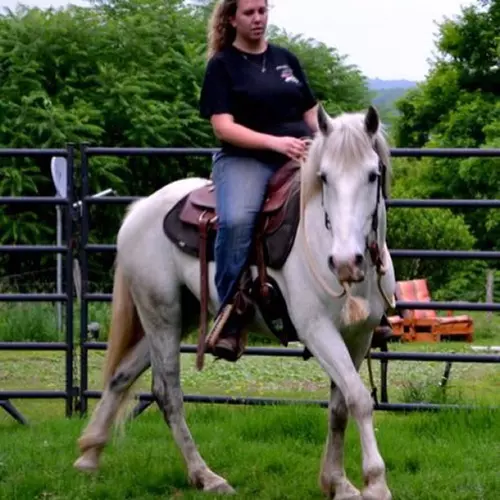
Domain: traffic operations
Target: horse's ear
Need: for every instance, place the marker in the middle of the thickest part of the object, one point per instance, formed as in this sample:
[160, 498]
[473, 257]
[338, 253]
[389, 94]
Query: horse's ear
[323, 121]
[372, 121]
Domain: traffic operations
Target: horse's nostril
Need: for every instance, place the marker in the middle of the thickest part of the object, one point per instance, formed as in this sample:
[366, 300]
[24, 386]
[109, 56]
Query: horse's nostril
[331, 264]
[358, 260]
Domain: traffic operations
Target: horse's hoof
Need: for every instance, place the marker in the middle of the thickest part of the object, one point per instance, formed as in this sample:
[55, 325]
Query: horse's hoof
[377, 492]
[347, 496]
[86, 464]
[348, 493]
[343, 491]
[220, 486]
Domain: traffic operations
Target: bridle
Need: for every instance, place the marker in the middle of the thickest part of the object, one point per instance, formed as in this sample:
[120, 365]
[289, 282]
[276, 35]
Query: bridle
[372, 244]
[381, 194]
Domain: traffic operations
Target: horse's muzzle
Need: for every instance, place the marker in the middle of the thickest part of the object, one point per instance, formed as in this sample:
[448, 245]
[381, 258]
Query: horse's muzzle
[349, 271]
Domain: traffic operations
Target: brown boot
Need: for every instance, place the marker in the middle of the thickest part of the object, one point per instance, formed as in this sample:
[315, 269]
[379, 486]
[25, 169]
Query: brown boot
[231, 342]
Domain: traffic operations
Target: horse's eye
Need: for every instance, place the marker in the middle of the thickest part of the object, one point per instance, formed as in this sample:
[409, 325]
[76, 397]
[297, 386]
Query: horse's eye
[372, 177]
[322, 176]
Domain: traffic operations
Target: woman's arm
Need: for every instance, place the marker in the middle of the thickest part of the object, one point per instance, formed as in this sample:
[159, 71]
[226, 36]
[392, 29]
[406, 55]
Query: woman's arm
[227, 130]
[310, 103]
[311, 118]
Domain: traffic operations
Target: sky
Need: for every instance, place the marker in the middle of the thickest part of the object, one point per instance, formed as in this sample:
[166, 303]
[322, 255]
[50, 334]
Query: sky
[387, 39]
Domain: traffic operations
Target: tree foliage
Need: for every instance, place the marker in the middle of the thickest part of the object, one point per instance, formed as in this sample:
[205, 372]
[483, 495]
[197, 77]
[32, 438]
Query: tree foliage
[119, 73]
[458, 106]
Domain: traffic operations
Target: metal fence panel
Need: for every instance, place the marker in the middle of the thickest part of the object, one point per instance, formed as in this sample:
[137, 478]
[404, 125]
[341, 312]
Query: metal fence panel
[77, 246]
[69, 392]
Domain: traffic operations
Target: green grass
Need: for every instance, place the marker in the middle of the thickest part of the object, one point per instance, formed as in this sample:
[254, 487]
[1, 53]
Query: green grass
[265, 453]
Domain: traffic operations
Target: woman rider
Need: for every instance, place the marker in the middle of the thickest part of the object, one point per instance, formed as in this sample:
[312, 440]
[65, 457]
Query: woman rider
[261, 108]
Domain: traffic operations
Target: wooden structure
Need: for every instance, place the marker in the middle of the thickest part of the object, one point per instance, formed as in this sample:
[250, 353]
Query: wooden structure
[424, 325]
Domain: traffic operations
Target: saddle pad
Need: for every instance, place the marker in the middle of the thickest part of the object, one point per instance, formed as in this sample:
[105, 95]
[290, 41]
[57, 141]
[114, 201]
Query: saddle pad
[277, 243]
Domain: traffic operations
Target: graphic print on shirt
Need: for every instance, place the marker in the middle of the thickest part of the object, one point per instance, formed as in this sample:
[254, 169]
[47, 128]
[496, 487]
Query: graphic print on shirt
[286, 74]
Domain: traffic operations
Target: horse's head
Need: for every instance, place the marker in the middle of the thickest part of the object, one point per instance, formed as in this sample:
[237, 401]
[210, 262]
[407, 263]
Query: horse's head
[348, 165]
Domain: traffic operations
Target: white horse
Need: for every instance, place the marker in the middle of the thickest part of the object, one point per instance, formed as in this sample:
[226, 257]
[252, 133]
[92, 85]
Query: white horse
[342, 181]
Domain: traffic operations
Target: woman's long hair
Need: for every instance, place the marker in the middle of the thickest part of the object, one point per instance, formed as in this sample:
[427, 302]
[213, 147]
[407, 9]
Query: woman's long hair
[220, 32]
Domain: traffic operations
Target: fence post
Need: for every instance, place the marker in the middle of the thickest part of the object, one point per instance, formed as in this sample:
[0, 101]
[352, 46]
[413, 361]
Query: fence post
[71, 391]
[84, 276]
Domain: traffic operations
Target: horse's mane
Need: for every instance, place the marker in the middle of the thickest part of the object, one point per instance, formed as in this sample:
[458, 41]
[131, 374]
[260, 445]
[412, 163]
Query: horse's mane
[347, 145]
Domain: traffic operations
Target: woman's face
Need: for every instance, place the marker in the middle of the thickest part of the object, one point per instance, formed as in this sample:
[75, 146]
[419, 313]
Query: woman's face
[250, 20]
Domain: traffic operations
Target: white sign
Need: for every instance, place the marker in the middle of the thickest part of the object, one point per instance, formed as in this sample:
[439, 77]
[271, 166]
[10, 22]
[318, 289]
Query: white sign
[59, 171]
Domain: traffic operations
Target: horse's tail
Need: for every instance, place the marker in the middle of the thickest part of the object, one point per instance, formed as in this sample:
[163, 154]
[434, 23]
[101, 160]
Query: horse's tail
[126, 329]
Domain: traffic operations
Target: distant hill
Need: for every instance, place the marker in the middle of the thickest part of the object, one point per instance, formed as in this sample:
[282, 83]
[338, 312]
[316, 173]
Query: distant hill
[386, 92]
[378, 84]
[385, 97]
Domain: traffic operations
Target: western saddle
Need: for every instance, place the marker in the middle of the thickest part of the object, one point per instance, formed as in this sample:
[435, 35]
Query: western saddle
[199, 210]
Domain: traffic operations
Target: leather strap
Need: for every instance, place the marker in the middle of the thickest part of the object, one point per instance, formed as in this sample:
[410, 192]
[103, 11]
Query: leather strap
[204, 223]
[261, 264]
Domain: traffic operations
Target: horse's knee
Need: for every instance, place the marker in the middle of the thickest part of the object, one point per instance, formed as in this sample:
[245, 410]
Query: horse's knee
[360, 403]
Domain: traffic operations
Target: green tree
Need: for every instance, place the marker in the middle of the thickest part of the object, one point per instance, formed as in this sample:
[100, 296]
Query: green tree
[458, 106]
[118, 73]
[432, 229]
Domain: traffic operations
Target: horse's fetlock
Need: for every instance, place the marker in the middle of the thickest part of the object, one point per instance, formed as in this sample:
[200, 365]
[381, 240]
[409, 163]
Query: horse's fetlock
[85, 443]
[374, 472]
[196, 478]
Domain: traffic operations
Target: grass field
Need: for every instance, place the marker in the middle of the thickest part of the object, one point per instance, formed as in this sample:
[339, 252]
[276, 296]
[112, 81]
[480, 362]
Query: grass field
[265, 453]
[269, 453]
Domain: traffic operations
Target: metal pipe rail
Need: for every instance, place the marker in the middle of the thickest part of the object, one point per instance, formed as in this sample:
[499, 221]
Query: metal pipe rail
[292, 352]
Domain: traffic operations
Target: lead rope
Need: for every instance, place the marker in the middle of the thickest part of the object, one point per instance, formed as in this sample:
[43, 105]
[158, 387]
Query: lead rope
[370, 376]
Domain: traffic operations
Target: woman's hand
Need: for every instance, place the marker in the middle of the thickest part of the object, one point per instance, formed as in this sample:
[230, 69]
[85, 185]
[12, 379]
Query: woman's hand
[290, 146]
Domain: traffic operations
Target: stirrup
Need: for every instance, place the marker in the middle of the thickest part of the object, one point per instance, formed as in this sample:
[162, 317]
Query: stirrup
[230, 348]
[219, 323]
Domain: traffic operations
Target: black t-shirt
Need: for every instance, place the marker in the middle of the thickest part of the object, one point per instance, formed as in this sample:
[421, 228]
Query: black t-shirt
[266, 92]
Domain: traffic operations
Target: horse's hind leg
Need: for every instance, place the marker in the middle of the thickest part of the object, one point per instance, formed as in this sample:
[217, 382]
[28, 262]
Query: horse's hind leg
[96, 434]
[333, 478]
[164, 339]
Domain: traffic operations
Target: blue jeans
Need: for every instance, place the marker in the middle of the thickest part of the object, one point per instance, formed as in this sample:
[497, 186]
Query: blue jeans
[240, 187]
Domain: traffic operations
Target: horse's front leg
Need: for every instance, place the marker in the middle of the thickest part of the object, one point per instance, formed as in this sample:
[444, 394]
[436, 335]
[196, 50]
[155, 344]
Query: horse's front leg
[333, 479]
[328, 347]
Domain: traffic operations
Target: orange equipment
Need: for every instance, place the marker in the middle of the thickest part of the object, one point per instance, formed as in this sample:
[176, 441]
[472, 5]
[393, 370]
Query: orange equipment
[424, 325]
